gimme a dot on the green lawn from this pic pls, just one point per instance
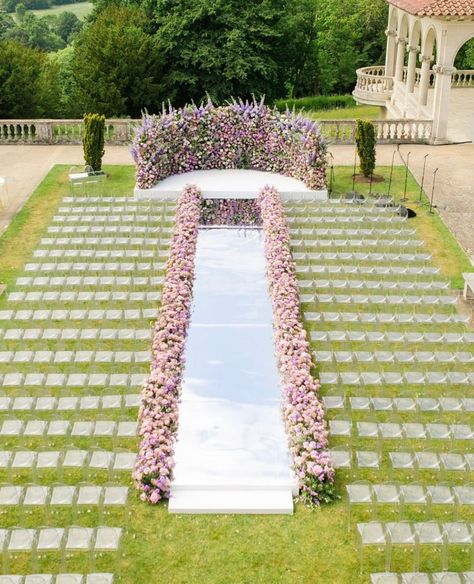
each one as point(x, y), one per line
point(80, 9)
point(365, 112)
point(307, 548)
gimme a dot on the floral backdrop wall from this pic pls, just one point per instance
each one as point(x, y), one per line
point(239, 135)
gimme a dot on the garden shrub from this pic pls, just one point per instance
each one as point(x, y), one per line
point(93, 140)
point(366, 142)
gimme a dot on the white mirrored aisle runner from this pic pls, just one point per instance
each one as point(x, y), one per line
point(232, 453)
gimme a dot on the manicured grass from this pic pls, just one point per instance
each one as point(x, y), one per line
point(447, 253)
point(23, 234)
point(80, 9)
point(366, 112)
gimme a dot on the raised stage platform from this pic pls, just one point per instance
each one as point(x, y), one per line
point(231, 184)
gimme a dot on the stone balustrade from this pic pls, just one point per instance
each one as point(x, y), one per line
point(372, 80)
point(61, 131)
point(463, 78)
point(373, 86)
point(387, 131)
point(122, 131)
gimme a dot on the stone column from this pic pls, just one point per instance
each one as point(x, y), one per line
point(412, 53)
point(424, 79)
point(401, 42)
point(390, 53)
point(441, 102)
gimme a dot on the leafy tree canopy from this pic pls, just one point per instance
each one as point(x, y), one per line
point(117, 65)
point(28, 81)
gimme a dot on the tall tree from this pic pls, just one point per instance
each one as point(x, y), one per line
point(350, 35)
point(117, 64)
point(221, 47)
point(28, 81)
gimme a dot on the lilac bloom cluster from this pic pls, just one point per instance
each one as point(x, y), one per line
point(303, 411)
point(161, 392)
point(230, 212)
point(240, 135)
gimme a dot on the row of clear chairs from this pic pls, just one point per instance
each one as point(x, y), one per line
point(374, 284)
point(80, 314)
point(82, 380)
point(388, 317)
point(149, 282)
point(459, 357)
point(413, 536)
point(69, 296)
point(351, 219)
point(386, 337)
point(12, 427)
point(101, 268)
point(397, 430)
point(363, 378)
point(412, 271)
point(352, 242)
point(402, 403)
point(63, 356)
point(73, 334)
point(132, 218)
point(66, 402)
point(99, 254)
point(312, 232)
point(66, 578)
point(91, 463)
point(379, 299)
point(422, 578)
point(110, 229)
point(117, 209)
point(18, 541)
point(415, 463)
point(105, 199)
point(103, 241)
point(77, 499)
point(361, 256)
point(373, 496)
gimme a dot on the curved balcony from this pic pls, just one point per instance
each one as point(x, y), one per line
point(373, 86)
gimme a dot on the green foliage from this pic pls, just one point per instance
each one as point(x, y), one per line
point(316, 102)
point(12, 5)
point(93, 140)
point(350, 35)
point(224, 48)
point(366, 142)
point(67, 101)
point(28, 81)
point(38, 33)
point(117, 64)
point(67, 26)
point(465, 56)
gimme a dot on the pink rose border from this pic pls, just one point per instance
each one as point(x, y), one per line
point(303, 411)
point(158, 414)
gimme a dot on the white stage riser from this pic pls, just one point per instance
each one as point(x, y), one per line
point(232, 502)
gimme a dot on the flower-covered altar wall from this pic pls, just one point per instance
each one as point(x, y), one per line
point(239, 135)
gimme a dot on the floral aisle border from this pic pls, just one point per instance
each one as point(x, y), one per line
point(158, 415)
point(233, 212)
point(239, 135)
point(303, 411)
